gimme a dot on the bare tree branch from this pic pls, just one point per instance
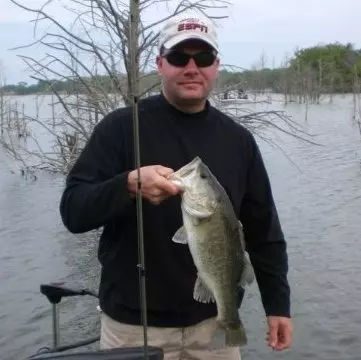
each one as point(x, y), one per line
point(91, 58)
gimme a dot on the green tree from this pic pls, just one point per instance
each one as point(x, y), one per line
point(326, 68)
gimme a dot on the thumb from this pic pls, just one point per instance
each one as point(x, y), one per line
point(167, 186)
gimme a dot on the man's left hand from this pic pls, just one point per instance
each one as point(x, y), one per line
point(280, 329)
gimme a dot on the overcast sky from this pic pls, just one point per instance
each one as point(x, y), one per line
point(275, 27)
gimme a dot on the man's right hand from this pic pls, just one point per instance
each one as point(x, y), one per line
point(155, 186)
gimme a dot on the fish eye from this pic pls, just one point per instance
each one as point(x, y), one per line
point(203, 176)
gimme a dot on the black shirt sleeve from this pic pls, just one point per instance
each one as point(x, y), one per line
point(264, 237)
point(96, 189)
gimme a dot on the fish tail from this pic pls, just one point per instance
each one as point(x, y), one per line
point(228, 336)
point(236, 337)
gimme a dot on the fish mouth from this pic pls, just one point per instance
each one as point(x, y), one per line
point(197, 213)
point(176, 177)
point(195, 207)
point(185, 169)
point(178, 182)
point(190, 202)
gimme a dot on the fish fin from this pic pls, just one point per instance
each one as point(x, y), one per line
point(201, 292)
point(180, 237)
point(218, 340)
point(248, 275)
point(225, 337)
point(241, 235)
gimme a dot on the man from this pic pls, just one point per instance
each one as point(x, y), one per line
point(174, 127)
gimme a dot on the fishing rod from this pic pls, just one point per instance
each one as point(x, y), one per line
point(134, 61)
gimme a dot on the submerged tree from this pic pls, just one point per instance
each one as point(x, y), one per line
point(92, 57)
point(2, 102)
point(322, 69)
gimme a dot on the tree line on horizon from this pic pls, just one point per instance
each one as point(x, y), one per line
point(91, 82)
point(330, 68)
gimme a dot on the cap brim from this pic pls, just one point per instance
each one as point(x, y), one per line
point(176, 40)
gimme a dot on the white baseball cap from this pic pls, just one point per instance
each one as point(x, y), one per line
point(186, 27)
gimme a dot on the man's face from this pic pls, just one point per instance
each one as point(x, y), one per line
point(188, 83)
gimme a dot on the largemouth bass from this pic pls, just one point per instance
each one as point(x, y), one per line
point(216, 242)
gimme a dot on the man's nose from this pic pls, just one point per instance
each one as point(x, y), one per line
point(191, 66)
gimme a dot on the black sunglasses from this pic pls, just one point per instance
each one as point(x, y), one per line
point(181, 59)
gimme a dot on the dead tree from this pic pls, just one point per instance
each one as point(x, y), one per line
point(97, 73)
point(356, 87)
point(3, 102)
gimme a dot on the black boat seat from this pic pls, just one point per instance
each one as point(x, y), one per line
point(56, 291)
point(131, 353)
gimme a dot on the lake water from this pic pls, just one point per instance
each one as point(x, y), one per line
point(318, 194)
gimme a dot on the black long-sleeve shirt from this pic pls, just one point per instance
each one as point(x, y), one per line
point(96, 195)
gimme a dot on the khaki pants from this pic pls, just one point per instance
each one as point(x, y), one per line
point(188, 343)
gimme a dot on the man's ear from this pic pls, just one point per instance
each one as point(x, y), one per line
point(159, 62)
